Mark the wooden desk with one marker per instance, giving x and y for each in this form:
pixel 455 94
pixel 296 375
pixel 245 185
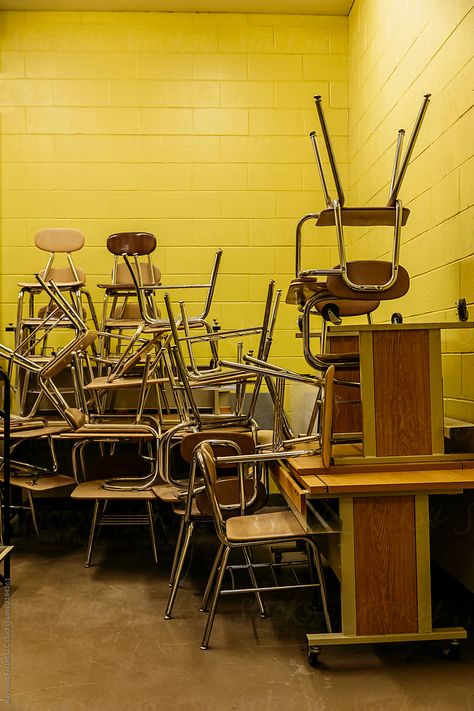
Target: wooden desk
pixel 377 542
pixel 401 387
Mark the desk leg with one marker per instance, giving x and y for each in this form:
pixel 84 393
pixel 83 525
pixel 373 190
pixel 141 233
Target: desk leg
pixel 385 573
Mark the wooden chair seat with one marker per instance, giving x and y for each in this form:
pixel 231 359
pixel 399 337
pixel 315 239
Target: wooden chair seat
pixel 362 217
pixel 264 526
pixel 95 490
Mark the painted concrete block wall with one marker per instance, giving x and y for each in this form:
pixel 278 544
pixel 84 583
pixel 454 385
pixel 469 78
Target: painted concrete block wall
pixel 191 126
pixel 397 53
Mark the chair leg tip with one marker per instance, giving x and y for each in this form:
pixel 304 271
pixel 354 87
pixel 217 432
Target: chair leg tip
pixel 204 647
pixel 167 617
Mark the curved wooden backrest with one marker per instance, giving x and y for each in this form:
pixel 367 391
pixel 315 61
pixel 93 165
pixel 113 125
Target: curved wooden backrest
pixel 131 243
pixel 243 440
pixel 59 239
pixel 150 274
pixel 369 272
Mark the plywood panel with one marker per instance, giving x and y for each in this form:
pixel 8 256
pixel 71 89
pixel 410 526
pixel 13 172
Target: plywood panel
pixel 348 407
pixel 385 565
pixel 402 393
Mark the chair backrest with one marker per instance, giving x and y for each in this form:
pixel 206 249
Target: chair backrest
pixel 61 240
pixel 207 464
pixel 131 243
pixel 149 273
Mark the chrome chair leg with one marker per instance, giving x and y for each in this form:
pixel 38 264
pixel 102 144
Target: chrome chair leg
pixel 177 551
pixel 92 533
pixel 179 570
pixel 33 513
pixel 215 599
pixel 212 576
pixel 152 531
pixel 258 596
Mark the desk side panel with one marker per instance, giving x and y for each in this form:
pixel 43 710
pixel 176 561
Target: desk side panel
pixel 385 565
pixel 402 397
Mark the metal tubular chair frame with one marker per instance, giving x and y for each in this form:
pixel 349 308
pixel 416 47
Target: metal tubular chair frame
pixel 208 463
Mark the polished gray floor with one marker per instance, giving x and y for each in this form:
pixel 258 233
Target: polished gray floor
pixel 96 639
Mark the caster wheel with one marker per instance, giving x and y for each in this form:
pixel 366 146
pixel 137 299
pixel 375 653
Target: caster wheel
pixel 278 557
pixel 313 656
pixel 396 318
pixel 453 652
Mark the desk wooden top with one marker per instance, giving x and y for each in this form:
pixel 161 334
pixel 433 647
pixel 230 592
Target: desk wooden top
pixel 343 330
pixel 428 477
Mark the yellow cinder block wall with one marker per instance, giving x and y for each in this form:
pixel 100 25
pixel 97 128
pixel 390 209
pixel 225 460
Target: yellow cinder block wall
pixel 195 127
pixel 397 53
pixel 191 126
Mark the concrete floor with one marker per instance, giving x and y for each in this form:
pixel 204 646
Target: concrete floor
pixel 96 638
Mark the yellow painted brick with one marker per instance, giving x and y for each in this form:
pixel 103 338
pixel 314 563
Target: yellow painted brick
pixel 144 92
pixel 221 233
pixel 276 122
pixel 192 93
pixel 262 19
pixel 13 120
pixel 247 94
pixel 104 148
pixel 458 234
pixel 467 282
pixel 81 65
pixel 338 39
pixel 466 180
pixel 292 148
pixel 221 121
pixel 13 232
pixel 70 176
pixel 302 40
pixel 187 40
pixel 32 260
pixel 226 291
pixel 16 204
pixel 468 376
pixel 299 95
pixel 247 149
pixel 338 95
pixel 327 68
pixel 274 67
pixel 168 66
pixel 136 18
pixel 452 375
pixel 460 410
pixel 23 148
pixel 219 19
pixel 192 204
pixel 220 177
pixel 271 232
pixel 80 92
pixel 192 260
pixel 246 39
pixel 82 120
pixel 12 64
pixel 445 195
pixel 219 66
pixel 297 203
pixel 274 177
pixel 123 204
pixel 247 204
pixel 165 121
